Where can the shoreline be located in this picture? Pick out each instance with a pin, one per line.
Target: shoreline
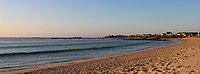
(122, 63)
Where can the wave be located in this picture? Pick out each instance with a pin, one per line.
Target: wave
(44, 45)
(69, 50)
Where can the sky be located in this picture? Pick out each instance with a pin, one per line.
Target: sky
(94, 18)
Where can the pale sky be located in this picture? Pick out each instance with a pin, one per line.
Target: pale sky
(64, 18)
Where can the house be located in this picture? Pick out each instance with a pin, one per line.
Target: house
(191, 33)
(180, 34)
(188, 34)
(198, 34)
(163, 34)
(148, 34)
(169, 33)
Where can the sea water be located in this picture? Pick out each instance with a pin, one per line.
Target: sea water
(22, 53)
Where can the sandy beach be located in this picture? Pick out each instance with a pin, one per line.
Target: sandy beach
(180, 58)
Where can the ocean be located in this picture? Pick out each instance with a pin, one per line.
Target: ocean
(22, 53)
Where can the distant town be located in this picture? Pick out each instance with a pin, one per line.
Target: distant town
(156, 36)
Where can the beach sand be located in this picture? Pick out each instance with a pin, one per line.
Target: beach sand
(183, 58)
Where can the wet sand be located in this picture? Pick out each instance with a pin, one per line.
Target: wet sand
(183, 58)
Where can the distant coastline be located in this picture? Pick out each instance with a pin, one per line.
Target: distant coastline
(162, 36)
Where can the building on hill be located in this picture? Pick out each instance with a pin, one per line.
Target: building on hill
(167, 35)
(191, 33)
(163, 34)
(170, 33)
(181, 34)
(187, 34)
